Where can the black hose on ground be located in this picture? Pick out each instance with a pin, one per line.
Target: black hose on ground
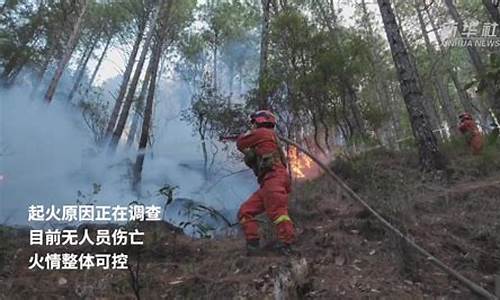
(465, 281)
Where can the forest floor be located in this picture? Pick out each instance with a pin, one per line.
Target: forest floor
(345, 252)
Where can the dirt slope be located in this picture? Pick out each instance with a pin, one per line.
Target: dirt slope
(346, 254)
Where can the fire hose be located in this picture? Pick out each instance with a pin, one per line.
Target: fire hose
(455, 274)
(434, 260)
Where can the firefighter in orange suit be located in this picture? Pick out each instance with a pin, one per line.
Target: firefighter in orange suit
(265, 157)
(472, 135)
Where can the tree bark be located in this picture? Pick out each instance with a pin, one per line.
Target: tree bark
(202, 132)
(490, 88)
(148, 112)
(492, 10)
(154, 65)
(430, 156)
(81, 69)
(215, 62)
(345, 80)
(97, 67)
(138, 107)
(264, 47)
(9, 68)
(352, 100)
(464, 97)
(381, 84)
(70, 47)
(126, 77)
(17, 59)
(99, 63)
(429, 104)
(133, 84)
(438, 81)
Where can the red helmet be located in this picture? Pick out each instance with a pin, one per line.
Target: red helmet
(465, 116)
(262, 117)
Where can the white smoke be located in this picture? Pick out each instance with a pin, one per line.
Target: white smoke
(47, 155)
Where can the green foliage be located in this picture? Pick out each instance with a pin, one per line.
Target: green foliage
(225, 39)
(312, 69)
(180, 17)
(318, 66)
(466, 165)
(95, 115)
(36, 32)
(375, 115)
(197, 217)
(212, 116)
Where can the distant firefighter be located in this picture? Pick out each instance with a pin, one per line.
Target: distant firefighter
(494, 134)
(471, 132)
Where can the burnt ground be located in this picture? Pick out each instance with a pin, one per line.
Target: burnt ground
(346, 253)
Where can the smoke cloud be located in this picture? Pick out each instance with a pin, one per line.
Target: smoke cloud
(47, 155)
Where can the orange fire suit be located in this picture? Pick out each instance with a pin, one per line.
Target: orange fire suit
(272, 196)
(473, 136)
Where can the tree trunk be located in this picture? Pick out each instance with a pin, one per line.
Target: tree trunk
(18, 58)
(39, 76)
(148, 111)
(240, 81)
(215, 65)
(492, 10)
(97, 67)
(133, 84)
(70, 47)
(231, 74)
(154, 64)
(345, 80)
(477, 62)
(316, 133)
(429, 104)
(202, 133)
(464, 97)
(380, 83)
(126, 77)
(9, 68)
(440, 84)
(430, 156)
(264, 47)
(138, 107)
(352, 101)
(81, 69)
(4, 5)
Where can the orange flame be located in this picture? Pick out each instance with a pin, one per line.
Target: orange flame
(301, 165)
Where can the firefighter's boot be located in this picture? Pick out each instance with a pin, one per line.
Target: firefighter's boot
(285, 249)
(253, 248)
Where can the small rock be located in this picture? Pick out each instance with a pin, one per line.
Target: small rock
(62, 281)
